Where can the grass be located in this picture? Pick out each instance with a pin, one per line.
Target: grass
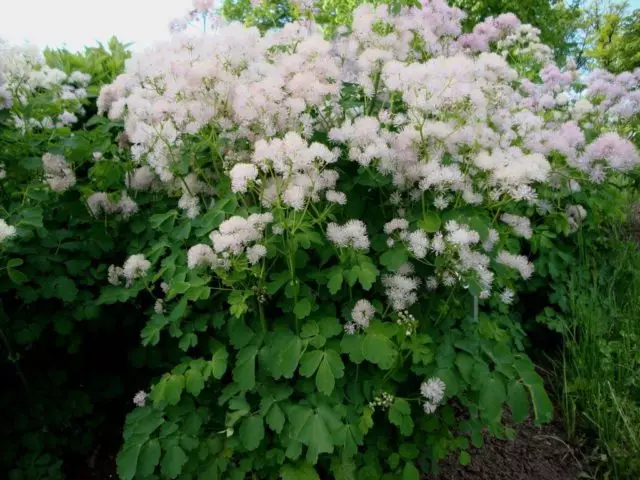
(599, 372)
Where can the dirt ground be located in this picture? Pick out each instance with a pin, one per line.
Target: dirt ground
(537, 453)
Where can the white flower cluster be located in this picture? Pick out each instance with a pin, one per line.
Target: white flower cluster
(517, 262)
(58, 173)
(136, 266)
(433, 392)
(235, 236)
(407, 322)
(384, 400)
(474, 131)
(401, 290)
(361, 315)
(6, 231)
(23, 73)
(99, 203)
(140, 398)
(352, 234)
(521, 225)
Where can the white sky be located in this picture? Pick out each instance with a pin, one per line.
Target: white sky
(76, 23)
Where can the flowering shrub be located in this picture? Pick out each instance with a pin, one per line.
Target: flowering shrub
(328, 236)
(353, 219)
(54, 257)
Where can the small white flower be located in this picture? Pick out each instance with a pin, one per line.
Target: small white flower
(158, 307)
(433, 390)
(506, 296)
(6, 231)
(350, 328)
(334, 196)
(140, 398)
(136, 266)
(429, 407)
(363, 312)
(255, 253)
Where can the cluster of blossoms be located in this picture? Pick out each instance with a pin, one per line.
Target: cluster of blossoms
(6, 231)
(361, 315)
(407, 322)
(58, 173)
(234, 237)
(433, 392)
(140, 399)
(470, 131)
(352, 234)
(23, 73)
(136, 266)
(100, 204)
(383, 401)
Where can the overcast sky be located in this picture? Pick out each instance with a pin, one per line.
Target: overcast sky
(76, 23)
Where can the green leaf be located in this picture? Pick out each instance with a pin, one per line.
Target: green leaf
(63, 326)
(238, 302)
(408, 451)
(542, 406)
(288, 349)
(173, 461)
(394, 258)
(352, 346)
(149, 458)
(331, 367)
(410, 472)
(349, 437)
(400, 416)
(335, 280)
(492, 396)
(168, 389)
(378, 348)
(164, 221)
(316, 436)
(32, 216)
(464, 362)
(299, 471)
(127, 461)
(309, 362)
(194, 381)
(464, 458)
(65, 289)
(430, 222)
(252, 432)
(244, 374)
(187, 341)
(302, 308)
(17, 276)
(330, 327)
(518, 401)
(217, 366)
(14, 262)
(367, 275)
(275, 418)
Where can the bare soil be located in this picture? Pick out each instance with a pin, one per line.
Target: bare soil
(537, 453)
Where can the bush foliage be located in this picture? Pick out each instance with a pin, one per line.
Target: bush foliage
(310, 247)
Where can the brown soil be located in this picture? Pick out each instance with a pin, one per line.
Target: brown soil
(537, 453)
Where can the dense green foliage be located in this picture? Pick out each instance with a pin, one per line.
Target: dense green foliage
(249, 371)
